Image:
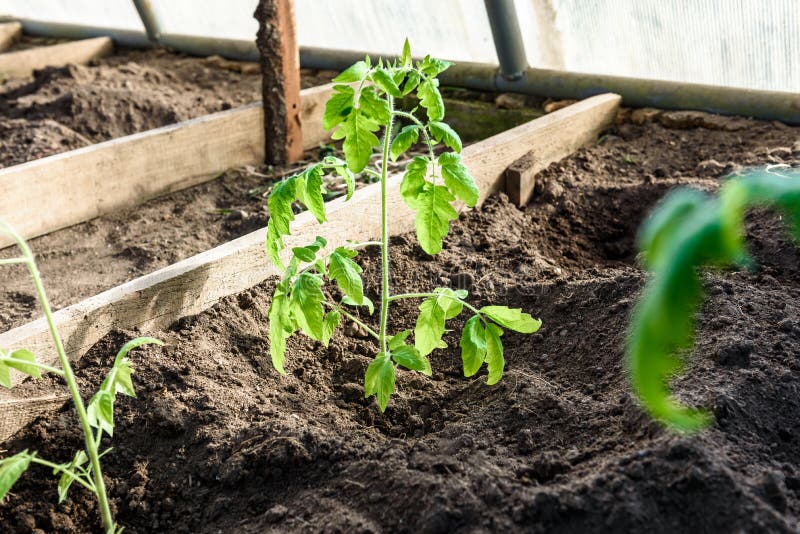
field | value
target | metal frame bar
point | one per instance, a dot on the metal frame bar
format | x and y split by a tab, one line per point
507	37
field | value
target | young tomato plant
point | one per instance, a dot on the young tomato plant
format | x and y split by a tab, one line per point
363	104
691	230
95	419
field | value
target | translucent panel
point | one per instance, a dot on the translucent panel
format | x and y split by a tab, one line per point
103	13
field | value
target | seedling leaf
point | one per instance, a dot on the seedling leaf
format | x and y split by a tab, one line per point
347	274
404	140
379	379
512	318
431	99
473	345
443	133
410	358
430	327
11	469
457	178
495	363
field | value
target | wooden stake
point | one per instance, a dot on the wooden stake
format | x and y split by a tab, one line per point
191	286
65	189
10	32
24	62
280	67
563	132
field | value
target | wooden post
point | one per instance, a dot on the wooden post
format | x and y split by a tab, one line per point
9	33
280	68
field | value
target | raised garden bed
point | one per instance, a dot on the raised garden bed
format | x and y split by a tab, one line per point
217	441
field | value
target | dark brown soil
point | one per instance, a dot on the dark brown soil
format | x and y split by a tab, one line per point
219	442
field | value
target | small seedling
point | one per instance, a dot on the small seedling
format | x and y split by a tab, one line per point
364	103
95	419
691	230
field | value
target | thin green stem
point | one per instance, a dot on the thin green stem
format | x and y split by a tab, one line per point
41	366
429	295
387	139
13	261
60	468
69	378
353	318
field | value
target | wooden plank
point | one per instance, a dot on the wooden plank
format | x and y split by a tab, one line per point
280	70
10	32
24	62
563	132
65	189
191	286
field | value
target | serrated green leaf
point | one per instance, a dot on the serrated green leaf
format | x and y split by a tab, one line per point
414	180
433	217
281	326
405	56
473	345
69	476
306	304
433	67
358	140
410	358
404	140
339	106
100	411
309	191
412	81
443	133
329	325
29	369
449	302
512	318
379	379
431	99
429	329
398	340
347	275
349	180
11	469
374	106
304	254
461	293
135	343
365	302
280	216
457	178
5	375
495	363
355	73
385	81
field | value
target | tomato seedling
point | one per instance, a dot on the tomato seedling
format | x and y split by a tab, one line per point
691	230
363	103
96	418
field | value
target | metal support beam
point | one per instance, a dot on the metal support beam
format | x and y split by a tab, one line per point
507	38
148	15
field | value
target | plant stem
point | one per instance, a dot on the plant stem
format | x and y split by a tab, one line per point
387	139
429	295
355	319
41	366
77	478
69	378
13	261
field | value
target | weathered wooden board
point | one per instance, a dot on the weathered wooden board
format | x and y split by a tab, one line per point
24	62
65	189
188	287
10	32
562	132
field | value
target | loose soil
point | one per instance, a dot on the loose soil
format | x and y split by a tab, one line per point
219	442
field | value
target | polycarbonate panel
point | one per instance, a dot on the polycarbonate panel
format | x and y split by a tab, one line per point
102	13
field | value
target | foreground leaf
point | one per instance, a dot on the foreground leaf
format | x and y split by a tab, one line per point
430	327
410	358
407	137
355	73
11	469
347	274
443	133
281	326
431	99
495	363
338	106
457	178
434	214
27	363
512	318
70	474
473	345
306	304
379	379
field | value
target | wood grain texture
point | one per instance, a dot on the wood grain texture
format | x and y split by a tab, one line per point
155	301
65	189
562	132
24	62
10	32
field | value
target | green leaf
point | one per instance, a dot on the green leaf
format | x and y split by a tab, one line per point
411	83
410	358
404	140
512	318
405	56
349	179
365	301
374	106
69	476
473	345
385	81
434	214
429	329
449	302
304	254
457	178
339	106
135	343
358	140
414	180
306	304
494	353
11	469
281	326
399	339
100	411
280	216
379	379
431	99
329	325
309	192
347	274
355	73
443	133
29	369
433	67
5	376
